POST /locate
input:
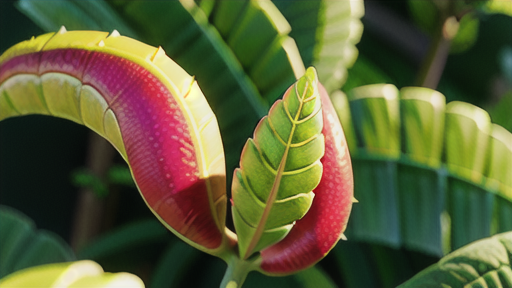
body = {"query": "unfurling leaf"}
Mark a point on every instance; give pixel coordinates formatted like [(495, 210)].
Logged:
[(146, 105), (279, 168), (313, 236)]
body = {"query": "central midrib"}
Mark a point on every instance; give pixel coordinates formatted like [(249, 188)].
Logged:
[(275, 187)]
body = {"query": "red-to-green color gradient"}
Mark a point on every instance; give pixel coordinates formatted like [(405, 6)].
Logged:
[(156, 116), (181, 180), (319, 230)]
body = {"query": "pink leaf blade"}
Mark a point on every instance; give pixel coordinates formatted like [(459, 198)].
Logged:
[(129, 92)]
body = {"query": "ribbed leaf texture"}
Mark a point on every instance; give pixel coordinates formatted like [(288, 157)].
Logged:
[(245, 61), (433, 176), (317, 233), (326, 33), (279, 168), (485, 263), (147, 106), (239, 51)]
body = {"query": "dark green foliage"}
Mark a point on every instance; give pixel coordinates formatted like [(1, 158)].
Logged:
[(417, 200), (22, 246), (484, 263)]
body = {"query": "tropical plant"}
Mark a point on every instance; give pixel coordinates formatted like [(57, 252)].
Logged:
[(483, 263), (156, 116), (433, 192)]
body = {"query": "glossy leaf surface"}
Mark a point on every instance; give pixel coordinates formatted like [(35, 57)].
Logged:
[(215, 48), (485, 263), (279, 168), (206, 40), (326, 33), (317, 233), (375, 116), (84, 273), (436, 190), (149, 108)]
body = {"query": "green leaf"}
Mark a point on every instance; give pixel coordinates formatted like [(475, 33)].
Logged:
[(421, 194), (355, 265), (177, 259), (365, 72), (467, 133), (422, 112), (75, 15), (279, 168), (126, 238), (84, 273), (118, 174), (378, 220), (256, 42), (425, 15), (375, 112), (498, 6), (433, 181), (342, 107), (326, 33), (467, 34), (471, 210), (498, 172), (503, 214), (485, 263), (83, 178), (500, 112), (215, 48), (22, 246), (421, 187)]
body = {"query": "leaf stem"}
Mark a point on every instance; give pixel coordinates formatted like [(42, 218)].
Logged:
[(237, 271), (91, 210), (435, 60)]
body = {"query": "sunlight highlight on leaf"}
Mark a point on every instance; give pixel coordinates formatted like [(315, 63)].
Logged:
[(279, 168)]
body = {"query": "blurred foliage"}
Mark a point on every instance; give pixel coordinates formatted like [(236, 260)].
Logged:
[(22, 246), (70, 274), (393, 234)]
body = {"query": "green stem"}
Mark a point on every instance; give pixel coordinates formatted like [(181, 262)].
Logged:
[(237, 271), (91, 210), (434, 63)]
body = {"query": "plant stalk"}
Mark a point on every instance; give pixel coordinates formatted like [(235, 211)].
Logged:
[(237, 271), (90, 209), (435, 60)]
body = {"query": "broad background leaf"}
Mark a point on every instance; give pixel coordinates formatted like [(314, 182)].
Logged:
[(399, 73), (23, 246), (484, 263), (417, 179)]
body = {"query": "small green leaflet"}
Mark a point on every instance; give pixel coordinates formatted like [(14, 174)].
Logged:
[(279, 168)]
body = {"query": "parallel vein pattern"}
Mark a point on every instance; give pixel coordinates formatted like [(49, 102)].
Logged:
[(279, 168)]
